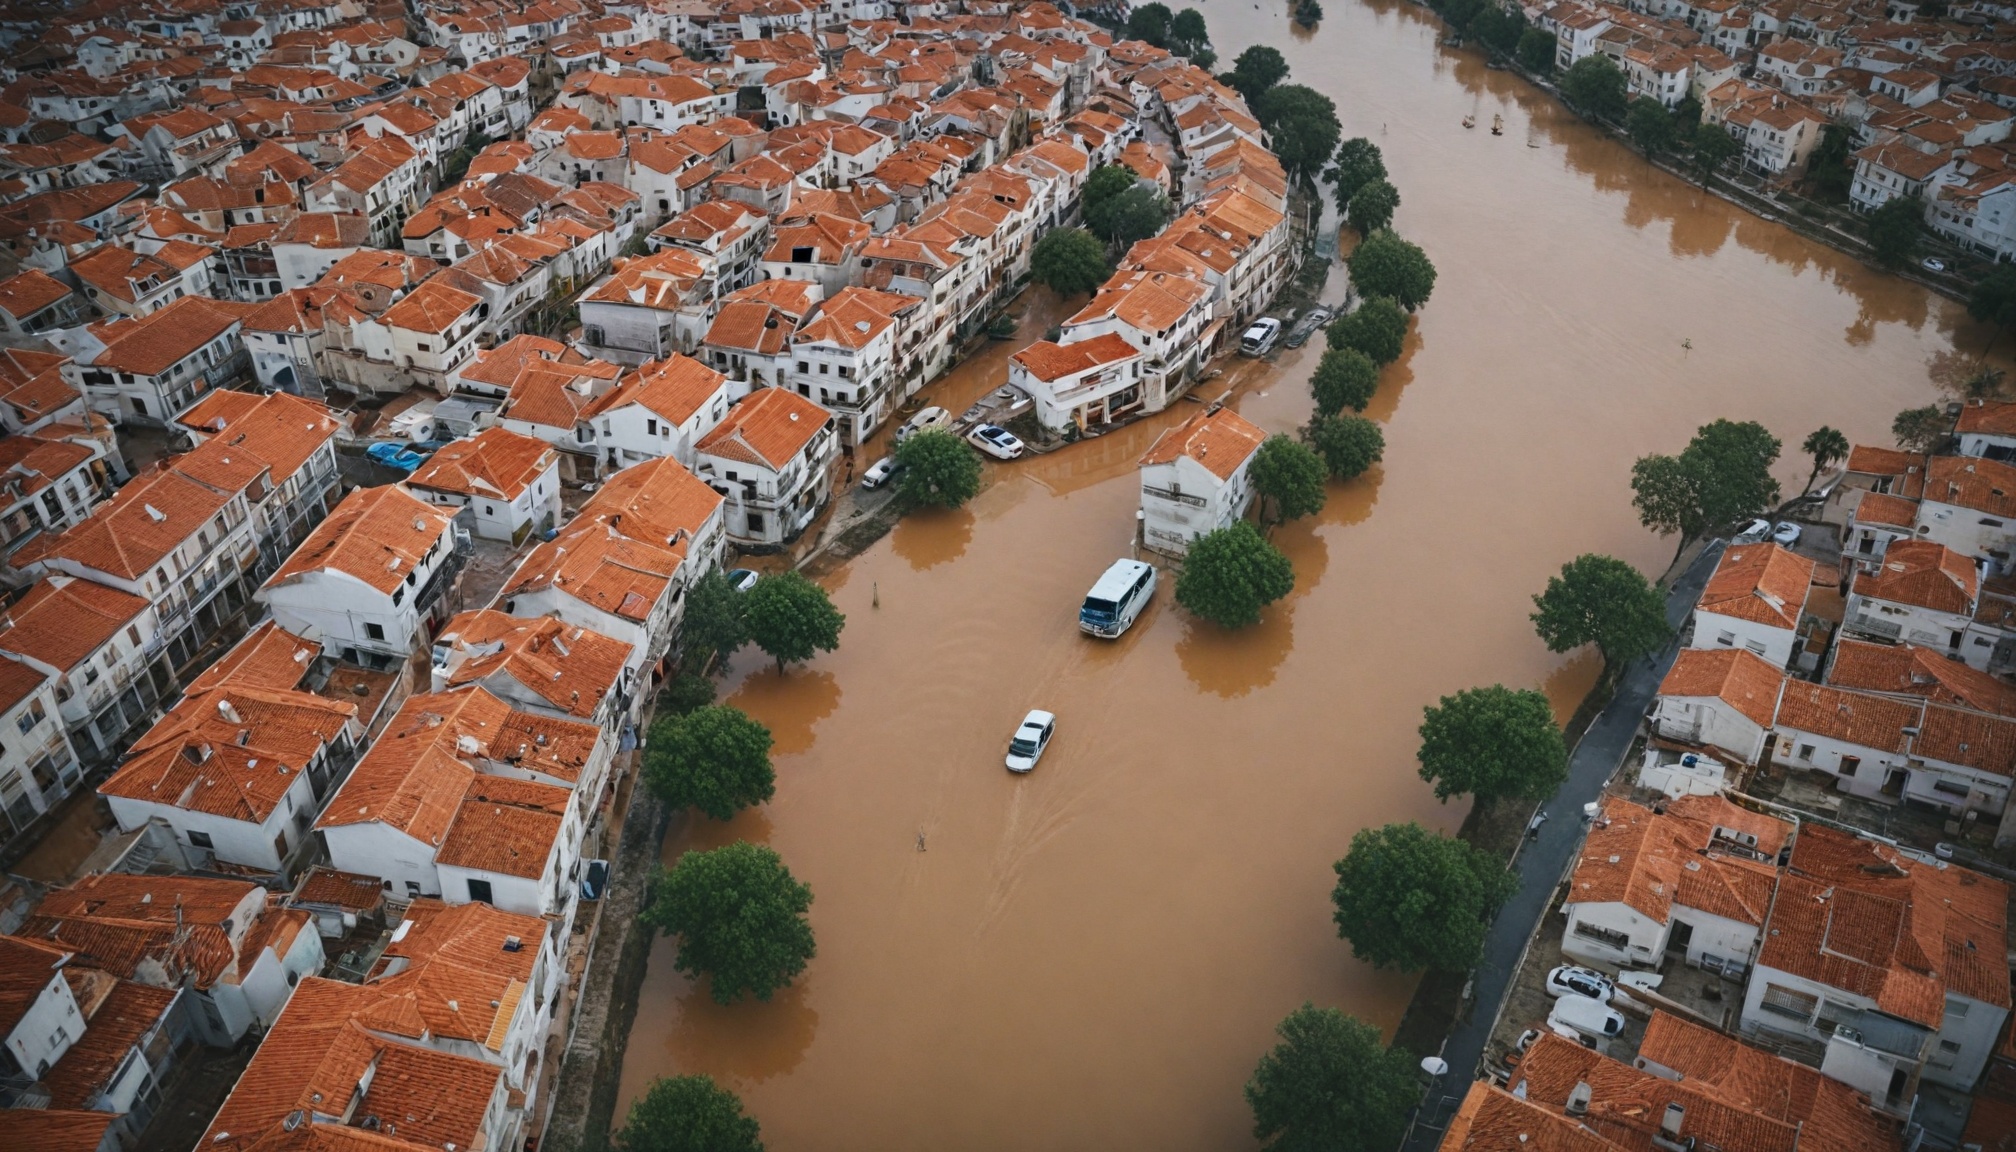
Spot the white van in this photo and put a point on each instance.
(932, 417)
(1116, 601)
(1585, 1015)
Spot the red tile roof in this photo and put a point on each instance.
(1907, 669)
(495, 462)
(63, 620)
(376, 535)
(1221, 441)
(1923, 574)
(570, 668)
(129, 535)
(1760, 583)
(769, 428)
(1737, 676)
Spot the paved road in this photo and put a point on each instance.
(1544, 860)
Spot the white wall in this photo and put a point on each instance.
(1972, 1027)
(1647, 936)
(233, 841)
(1714, 630)
(380, 850)
(1708, 720)
(48, 1029)
(1827, 754)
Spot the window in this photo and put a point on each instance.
(1948, 1046)
(1806, 751)
(375, 631)
(1607, 936)
(200, 840)
(755, 522)
(32, 716)
(479, 891)
(1849, 764)
(1788, 1003)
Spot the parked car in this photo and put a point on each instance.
(1570, 980)
(881, 472)
(1933, 264)
(932, 417)
(404, 457)
(1259, 339)
(742, 579)
(1752, 532)
(1586, 1017)
(996, 441)
(1026, 747)
(1787, 533)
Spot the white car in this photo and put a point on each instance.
(1259, 339)
(1029, 741)
(742, 579)
(1933, 264)
(880, 472)
(996, 441)
(932, 417)
(1569, 980)
(1787, 533)
(1579, 1014)
(1752, 532)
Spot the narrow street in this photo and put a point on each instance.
(1543, 861)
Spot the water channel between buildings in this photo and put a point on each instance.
(1094, 956)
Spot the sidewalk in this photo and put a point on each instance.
(1542, 862)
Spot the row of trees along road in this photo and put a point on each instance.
(739, 916)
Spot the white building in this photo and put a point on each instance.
(37, 767)
(772, 458)
(509, 484)
(371, 578)
(1924, 593)
(1723, 698)
(1193, 481)
(1754, 600)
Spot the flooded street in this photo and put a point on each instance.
(1094, 956)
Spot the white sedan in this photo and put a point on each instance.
(1787, 533)
(996, 441)
(1753, 532)
(1570, 980)
(1029, 741)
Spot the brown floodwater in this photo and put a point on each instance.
(1095, 955)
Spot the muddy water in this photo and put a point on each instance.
(1095, 955)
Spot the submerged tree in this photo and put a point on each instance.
(1604, 601)
(1348, 444)
(687, 1114)
(1723, 476)
(1288, 478)
(1492, 743)
(739, 917)
(1826, 446)
(1330, 1085)
(1344, 378)
(1232, 573)
(1377, 328)
(1385, 265)
(792, 619)
(1070, 260)
(1409, 899)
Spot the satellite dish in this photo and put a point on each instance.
(1434, 1065)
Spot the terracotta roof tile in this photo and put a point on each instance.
(1907, 669)
(1221, 441)
(1831, 1116)
(1924, 574)
(1737, 676)
(1052, 362)
(1761, 583)
(570, 668)
(120, 1023)
(376, 535)
(495, 462)
(769, 427)
(129, 535)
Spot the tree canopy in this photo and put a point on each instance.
(1498, 27)
(739, 917)
(1187, 33)
(1893, 230)
(1830, 170)
(1373, 207)
(1601, 600)
(1308, 12)
(1150, 22)
(1357, 164)
(1344, 378)
(1330, 1085)
(1826, 446)
(1650, 126)
(1135, 214)
(1723, 475)
(1536, 51)
(1288, 478)
(1713, 147)
(1922, 430)
(939, 469)
(1409, 899)
(1256, 70)
(687, 1114)
(1491, 743)
(714, 624)
(1106, 182)
(1377, 328)
(1232, 573)
(791, 618)
(1993, 299)
(1385, 265)
(1302, 126)
(1595, 87)
(714, 758)
(1348, 445)
(1070, 260)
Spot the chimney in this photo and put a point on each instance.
(1578, 1100)
(1669, 1124)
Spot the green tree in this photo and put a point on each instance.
(1893, 230)
(1348, 444)
(1385, 265)
(1409, 899)
(1136, 214)
(1358, 163)
(1922, 430)
(1344, 378)
(791, 618)
(1071, 260)
(1302, 127)
(1377, 328)
(1256, 70)
(1650, 126)
(1723, 475)
(939, 469)
(1308, 13)
(714, 758)
(1594, 87)
(1150, 22)
(1601, 600)
(687, 1114)
(1372, 208)
(1498, 28)
(1687, 116)
(1993, 299)
(1232, 573)
(1106, 182)
(1331, 1086)
(1825, 446)
(1289, 477)
(1536, 51)
(739, 917)
(685, 692)
(1187, 33)
(1713, 147)
(1830, 169)
(714, 624)
(1984, 384)
(1492, 743)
